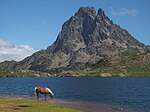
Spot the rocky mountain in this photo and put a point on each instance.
(85, 39)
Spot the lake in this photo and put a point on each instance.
(124, 91)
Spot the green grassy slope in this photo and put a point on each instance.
(135, 65)
(28, 105)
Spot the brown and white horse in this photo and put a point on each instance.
(44, 91)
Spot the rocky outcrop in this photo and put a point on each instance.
(8, 64)
(85, 39)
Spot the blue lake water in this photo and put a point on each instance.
(128, 91)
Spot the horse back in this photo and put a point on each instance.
(42, 90)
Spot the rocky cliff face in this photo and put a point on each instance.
(86, 38)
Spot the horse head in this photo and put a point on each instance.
(50, 92)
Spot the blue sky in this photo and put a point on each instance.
(36, 23)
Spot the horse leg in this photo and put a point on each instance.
(37, 94)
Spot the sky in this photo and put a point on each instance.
(27, 26)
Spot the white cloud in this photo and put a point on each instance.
(124, 11)
(6, 44)
(9, 51)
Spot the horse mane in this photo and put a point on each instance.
(49, 90)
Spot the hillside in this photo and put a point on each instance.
(87, 38)
(22, 73)
(131, 65)
(117, 65)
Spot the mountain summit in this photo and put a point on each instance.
(85, 39)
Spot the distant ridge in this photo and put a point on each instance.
(85, 39)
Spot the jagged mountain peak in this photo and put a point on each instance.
(90, 11)
(101, 15)
(76, 32)
(86, 11)
(85, 39)
(101, 12)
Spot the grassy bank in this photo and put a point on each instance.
(129, 70)
(29, 105)
(21, 73)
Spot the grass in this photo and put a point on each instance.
(133, 65)
(118, 69)
(138, 70)
(21, 73)
(29, 105)
(122, 70)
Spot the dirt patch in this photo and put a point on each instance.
(24, 106)
(91, 107)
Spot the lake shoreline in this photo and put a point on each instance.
(80, 105)
(90, 106)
